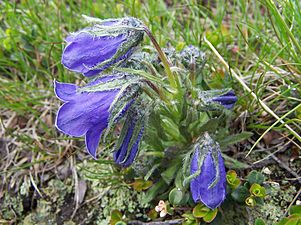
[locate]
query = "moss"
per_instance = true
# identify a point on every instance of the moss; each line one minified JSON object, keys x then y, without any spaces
{"x":116,"y":196}
{"x":11,"y":207}
{"x":275,"y":203}
{"x":49,"y":207}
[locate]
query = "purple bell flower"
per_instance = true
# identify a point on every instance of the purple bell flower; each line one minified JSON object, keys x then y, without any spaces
{"x":84,"y":113}
{"x":125,"y":154}
{"x":94,"y":49}
{"x":227,"y":100}
{"x":209,"y":187}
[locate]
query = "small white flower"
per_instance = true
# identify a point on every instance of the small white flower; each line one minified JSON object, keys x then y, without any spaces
{"x":161,"y":207}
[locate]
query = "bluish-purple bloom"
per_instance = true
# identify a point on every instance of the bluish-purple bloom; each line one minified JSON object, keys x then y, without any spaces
{"x":227,"y":100}
{"x":125,"y":154}
{"x":209,"y":187}
{"x":84,"y":113}
{"x":92,"y":50}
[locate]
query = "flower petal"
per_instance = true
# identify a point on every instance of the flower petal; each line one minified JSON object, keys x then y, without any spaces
{"x":121,"y":154}
{"x":133,"y":153}
{"x":85,"y":51}
{"x":92,"y":138}
{"x":64,"y":91}
{"x":83,"y":111}
{"x":199,"y":186}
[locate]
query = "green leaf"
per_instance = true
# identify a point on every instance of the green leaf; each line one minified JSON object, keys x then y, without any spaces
{"x":152,"y":214}
{"x":232,"y":179}
{"x":116,"y":216}
{"x":259,"y":222}
{"x":190,"y":222}
{"x":250,"y":201}
{"x":141,"y":184}
{"x":259,"y":201}
{"x":153,"y":192}
{"x":209,"y":126}
{"x":255,"y":177}
{"x":210,"y":216}
{"x":200,"y":210}
{"x":169,"y":174}
{"x":233,"y":163}
{"x":188,"y":216}
{"x":233,"y":139}
{"x":176,"y":196}
{"x":257,"y":190}
{"x":113,"y":84}
{"x":295,"y":210}
{"x":292,"y":220}
{"x":283,"y":221}
{"x":240,"y":194}
{"x":155,"y":122}
{"x":120,"y":223}
{"x":179,"y":179}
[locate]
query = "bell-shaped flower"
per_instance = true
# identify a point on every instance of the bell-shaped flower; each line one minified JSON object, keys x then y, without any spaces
{"x":93,"y":49}
{"x":227,"y":100}
{"x":127,"y":147}
{"x":84,"y":113}
{"x":207,"y":166}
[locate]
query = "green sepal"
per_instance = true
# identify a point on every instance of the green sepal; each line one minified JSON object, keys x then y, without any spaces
{"x":205,"y":103}
{"x":126,"y":95}
{"x":119,"y":80}
{"x":137,"y":115}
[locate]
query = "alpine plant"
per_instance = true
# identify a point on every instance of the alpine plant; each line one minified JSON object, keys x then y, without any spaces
{"x":127,"y":97}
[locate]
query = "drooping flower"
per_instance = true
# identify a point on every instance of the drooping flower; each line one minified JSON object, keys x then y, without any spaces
{"x":84,"y":113}
{"x":209,"y":186}
{"x":93,"y":49}
{"x":127,"y":149}
{"x":227,"y":100}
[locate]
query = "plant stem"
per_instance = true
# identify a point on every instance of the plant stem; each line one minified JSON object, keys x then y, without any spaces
{"x":157,"y":90}
{"x":163,"y":58}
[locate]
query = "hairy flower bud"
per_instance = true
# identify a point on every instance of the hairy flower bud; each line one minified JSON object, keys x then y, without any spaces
{"x":192,"y":57}
{"x":209,"y":184}
{"x":224,"y":97}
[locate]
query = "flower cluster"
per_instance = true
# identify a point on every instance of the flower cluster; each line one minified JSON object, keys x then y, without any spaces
{"x":125,"y":88}
{"x":87,"y":110}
